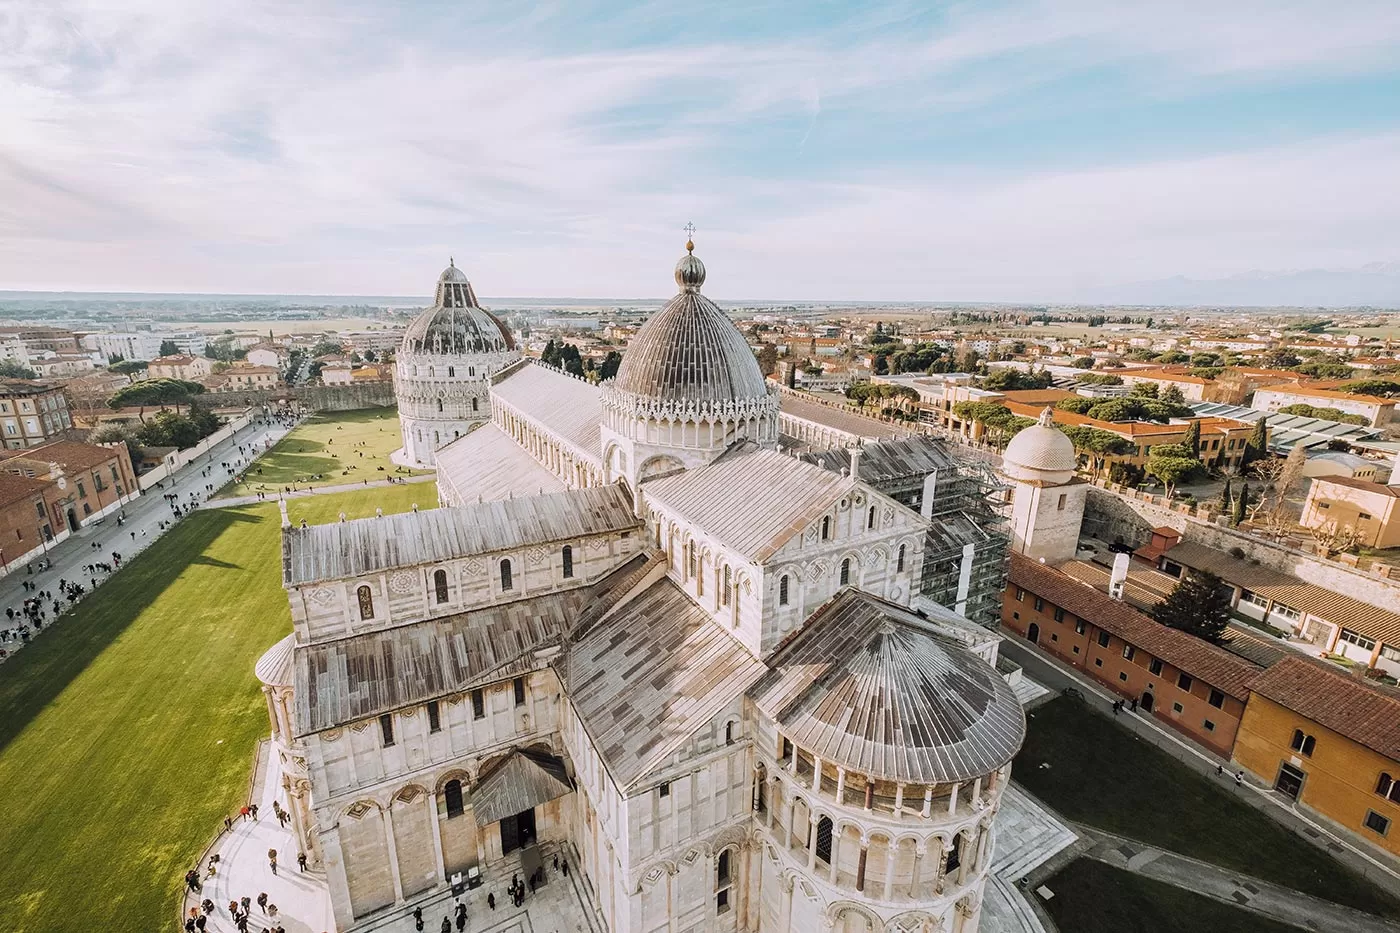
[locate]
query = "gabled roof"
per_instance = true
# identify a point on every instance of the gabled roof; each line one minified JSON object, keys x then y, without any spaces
{"x":751,"y":500}
{"x":889,"y":461}
{"x":1343,"y":704}
{"x":525,"y":778}
{"x":15,"y":488}
{"x":71,"y":455}
{"x":1200,"y":659}
{"x":645,"y":679}
{"x":838,"y":419}
{"x":571,"y":408}
{"x":872,"y":687}
{"x":489,"y":464}
{"x":368,"y":545}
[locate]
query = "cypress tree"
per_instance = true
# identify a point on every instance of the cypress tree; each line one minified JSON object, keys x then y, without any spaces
{"x":1241,"y":505}
{"x":1193,"y":439}
{"x":1225,"y":498}
{"x":1256,"y":447}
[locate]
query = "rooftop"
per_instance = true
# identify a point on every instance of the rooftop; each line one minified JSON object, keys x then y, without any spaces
{"x":1362,"y":713}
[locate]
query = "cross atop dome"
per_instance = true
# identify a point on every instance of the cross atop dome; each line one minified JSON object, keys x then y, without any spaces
{"x":689,"y":229}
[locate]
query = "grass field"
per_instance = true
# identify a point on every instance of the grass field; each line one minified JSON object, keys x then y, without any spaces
{"x":340,"y":447}
{"x":127,"y":732}
{"x":1104,"y":776}
{"x":1091,"y":897}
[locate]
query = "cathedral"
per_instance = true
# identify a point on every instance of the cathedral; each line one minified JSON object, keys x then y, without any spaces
{"x":708,"y":643}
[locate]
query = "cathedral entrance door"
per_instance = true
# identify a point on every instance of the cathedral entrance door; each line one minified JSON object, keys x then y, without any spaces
{"x":517,"y":831}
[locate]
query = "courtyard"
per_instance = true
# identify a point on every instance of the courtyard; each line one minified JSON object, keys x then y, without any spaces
{"x":127,"y":732}
{"x":330,"y":449}
{"x":1097,"y":774}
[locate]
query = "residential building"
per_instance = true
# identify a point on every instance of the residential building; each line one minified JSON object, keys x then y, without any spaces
{"x":1377,"y":411}
{"x":1337,"y":463}
{"x":1329,"y":742}
{"x":1366,"y":507}
{"x":92,"y":479}
{"x":32,"y":413}
{"x":268,"y":354}
{"x":43,"y":339}
{"x":25,"y":527}
{"x":251,"y":377}
{"x":144,"y":345}
{"x":180,"y":366}
{"x":1192,"y":388}
{"x":376,"y":341}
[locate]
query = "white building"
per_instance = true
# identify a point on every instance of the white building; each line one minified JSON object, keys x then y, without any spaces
{"x":442,"y":369}
{"x":1047,"y":498}
{"x":144,"y":345}
{"x":639,"y":636}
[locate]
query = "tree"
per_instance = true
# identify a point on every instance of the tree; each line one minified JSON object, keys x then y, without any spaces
{"x":1383,"y":388}
{"x":1170,"y":464}
{"x":1257,"y":446}
{"x":160,"y":392}
{"x":1008,"y":380}
{"x":1096,"y":444}
{"x":1078,"y":404}
{"x":1333,"y":538}
{"x":114,"y":432}
{"x":327,"y":348}
{"x":1082,"y":362}
{"x":129,"y":367}
{"x":1099,"y":379}
{"x":1225,"y":501}
{"x":1172,"y":396}
{"x":767,"y":358}
{"x":1198,"y":606}
{"x":612,"y":360}
{"x":1144,"y":390}
{"x":1241,"y":506}
{"x":9,"y":369}
{"x":999,"y":424}
{"x":1193,"y":439}
{"x":369,"y":356}
{"x":169,"y":348}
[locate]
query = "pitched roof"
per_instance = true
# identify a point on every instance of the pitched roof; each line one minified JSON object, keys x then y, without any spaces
{"x":71,"y":455}
{"x":520,"y":780}
{"x":870,"y":686}
{"x":488,"y":464}
{"x":1365,"y":485}
{"x":888,"y":461}
{"x":1200,"y":659}
{"x":15,"y":488}
{"x":645,"y":679}
{"x":750,"y":499}
{"x":1337,"y":608}
{"x":368,"y":545}
{"x":568,"y":407}
{"x":1343,"y":704}
{"x":838,"y":419}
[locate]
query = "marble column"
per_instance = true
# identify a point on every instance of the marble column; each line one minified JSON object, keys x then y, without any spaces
{"x":920,"y":850}
{"x":860,"y":865}
{"x":441,"y":869}
{"x":953,"y":800}
{"x":787,"y":823}
{"x":393,"y":853}
{"x":835,"y":853}
{"x":891,"y":856}
{"x":811,"y":843}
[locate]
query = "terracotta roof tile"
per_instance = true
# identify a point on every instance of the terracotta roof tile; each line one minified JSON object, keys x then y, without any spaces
{"x":1347,"y":706}
{"x":1200,"y":659}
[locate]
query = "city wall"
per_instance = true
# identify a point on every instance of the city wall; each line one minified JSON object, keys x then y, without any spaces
{"x":314,"y":398}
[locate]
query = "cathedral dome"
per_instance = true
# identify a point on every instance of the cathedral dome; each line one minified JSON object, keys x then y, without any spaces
{"x":1041,"y":452}
{"x":689,"y":352}
{"x":456,"y":324}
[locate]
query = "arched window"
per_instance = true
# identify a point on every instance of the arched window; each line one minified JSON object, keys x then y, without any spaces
{"x":366,"y":600}
{"x":723,"y":882}
{"x":899,"y":565}
{"x":439,"y":401}
{"x":824,"y":832}
{"x":846,"y":572}
{"x":826,"y":527}
{"x":783,"y":590}
{"x":451,"y":372}
{"x":440,"y":585}
{"x":689,"y":559}
{"x":870,"y":520}
{"x":724,"y":592}
{"x":1302,"y":742}
{"x":729,"y":733}
{"x":452,"y":795}
{"x":954,"y":855}
{"x":432,"y":371}
{"x":722,"y":869}
{"x":505,"y":575}
{"x":474,"y":404}
{"x":568,"y":561}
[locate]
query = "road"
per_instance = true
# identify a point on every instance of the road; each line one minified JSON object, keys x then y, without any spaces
{"x":140,"y":529}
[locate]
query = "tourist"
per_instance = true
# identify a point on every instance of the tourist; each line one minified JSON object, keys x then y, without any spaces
{"x":272,"y":859}
{"x":253,"y":808}
{"x":446,"y":925}
{"x":491,"y":900}
{"x":262,"y":901}
{"x":1239,"y":779}
{"x":418,"y":918}
{"x":301,"y":860}
{"x":461,"y":917}
{"x":247,"y":903}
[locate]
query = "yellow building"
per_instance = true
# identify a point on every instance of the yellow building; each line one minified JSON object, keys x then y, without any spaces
{"x":1330,"y":742}
{"x":1367,"y":507}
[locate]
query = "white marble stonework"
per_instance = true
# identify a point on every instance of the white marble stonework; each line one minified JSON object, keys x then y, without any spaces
{"x":641,"y":636}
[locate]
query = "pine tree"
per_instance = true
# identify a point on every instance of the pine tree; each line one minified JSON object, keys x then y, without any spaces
{"x":1241,"y":506}
{"x":1193,"y":439}
{"x":1225,"y":498}
{"x":1197,"y":606}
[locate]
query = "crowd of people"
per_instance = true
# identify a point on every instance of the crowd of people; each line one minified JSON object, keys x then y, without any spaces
{"x":239,"y":911}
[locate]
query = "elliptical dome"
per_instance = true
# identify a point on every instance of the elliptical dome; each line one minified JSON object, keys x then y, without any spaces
{"x":689,"y":352}
{"x":456,"y":324}
{"x":1040,"y":453}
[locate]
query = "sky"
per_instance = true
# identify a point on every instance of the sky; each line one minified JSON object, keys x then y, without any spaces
{"x":987,"y":151}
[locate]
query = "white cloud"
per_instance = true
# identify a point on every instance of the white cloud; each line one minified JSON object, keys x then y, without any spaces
{"x":325,"y":147}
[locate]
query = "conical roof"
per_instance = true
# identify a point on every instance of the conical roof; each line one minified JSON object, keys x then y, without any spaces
{"x":456,"y":324}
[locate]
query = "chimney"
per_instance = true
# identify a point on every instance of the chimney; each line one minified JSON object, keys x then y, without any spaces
{"x":855,"y":462}
{"x":1119,"y":578}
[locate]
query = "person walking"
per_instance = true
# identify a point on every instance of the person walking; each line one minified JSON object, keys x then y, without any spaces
{"x":461,"y":917}
{"x":418,"y":918}
{"x":446,"y":925}
{"x":272,"y":859}
{"x":1239,"y":779}
{"x":262,"y":901}
{"x":301,"y":860}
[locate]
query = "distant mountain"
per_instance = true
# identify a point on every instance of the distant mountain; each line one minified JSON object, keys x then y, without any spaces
{"x":1374,"y":285}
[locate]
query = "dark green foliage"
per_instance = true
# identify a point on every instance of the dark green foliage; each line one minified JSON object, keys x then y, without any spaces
{"x":1241,"y":510}
{"x":1010,"y":380}
{"x":9,"y":369}
{"x":1198,"y":606}
{"x":1193,"y":439}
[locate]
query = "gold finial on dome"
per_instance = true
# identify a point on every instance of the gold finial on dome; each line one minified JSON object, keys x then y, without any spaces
{"x":689,"y":229}
{"x":1047,"y":418}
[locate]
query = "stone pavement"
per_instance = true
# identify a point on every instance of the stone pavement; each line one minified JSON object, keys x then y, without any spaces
{"x":302,"y":899}
{"x":140,"y":530}
{"x":316,"y":491}
{"x":1271,"y":900}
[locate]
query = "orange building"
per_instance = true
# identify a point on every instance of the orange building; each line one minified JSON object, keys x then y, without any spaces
{"x":1331,"y":743}
{"x":1189,"y":684}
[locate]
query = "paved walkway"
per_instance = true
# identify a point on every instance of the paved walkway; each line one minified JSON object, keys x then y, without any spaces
{"x":1271,"y":900}
{"x":139,"y":531}
{"x":318,"y":490}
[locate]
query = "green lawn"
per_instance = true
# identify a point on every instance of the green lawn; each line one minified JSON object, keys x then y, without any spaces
{"x":340,"y":447}
{"x":1091,"y":897}
{"x":127,"y":733}
{"x":1102,"y":775}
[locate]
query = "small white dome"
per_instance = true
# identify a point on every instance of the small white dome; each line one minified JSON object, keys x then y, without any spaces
{"x":1040,"y":453}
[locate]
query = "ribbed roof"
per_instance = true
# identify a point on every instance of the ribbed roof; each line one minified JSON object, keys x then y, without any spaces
{"x":456,"y":324}
{"x":274,"y":668}
{"x":369,"y":545}
{"x":872,"y":687}
{"x":690,"y":352}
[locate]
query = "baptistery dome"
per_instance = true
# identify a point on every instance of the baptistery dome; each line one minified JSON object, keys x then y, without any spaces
{"x":443,"y":366}
{"x":689,"y":352}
